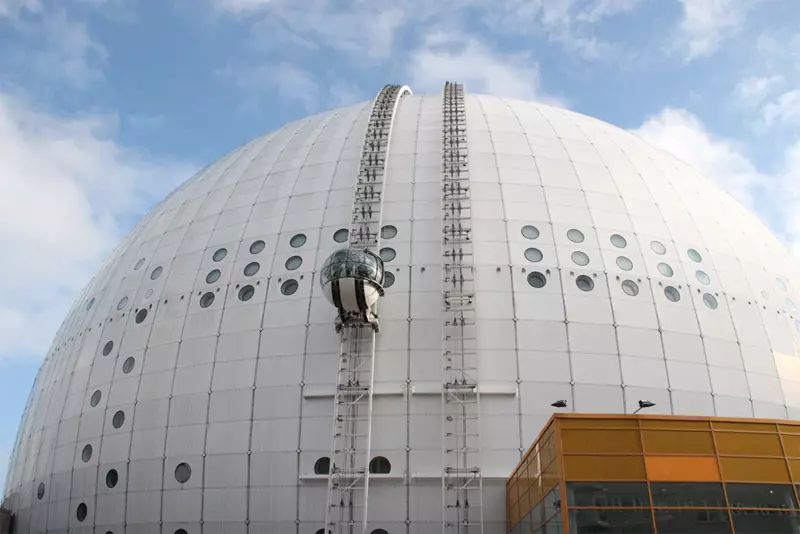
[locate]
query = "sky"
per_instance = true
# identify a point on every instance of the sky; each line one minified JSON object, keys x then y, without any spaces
{"x":107,"y":105}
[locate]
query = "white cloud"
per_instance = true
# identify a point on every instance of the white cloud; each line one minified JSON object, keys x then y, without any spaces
{"x":753,"y":90}
{"x":240,"y":6}
{"x":10,"y":8}
{"x":705,"y":24}
{"x":783,"y":109}
{"x":289,"y":81}
{"x":68,"y":191}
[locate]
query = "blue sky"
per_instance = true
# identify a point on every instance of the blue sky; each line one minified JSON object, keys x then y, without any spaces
{"x":106,"y":105}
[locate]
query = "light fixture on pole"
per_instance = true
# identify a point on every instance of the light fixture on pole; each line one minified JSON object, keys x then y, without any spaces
{"x":644,"y":404}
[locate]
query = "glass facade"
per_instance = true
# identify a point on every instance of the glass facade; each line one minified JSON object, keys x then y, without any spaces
{"x":658,"y":474}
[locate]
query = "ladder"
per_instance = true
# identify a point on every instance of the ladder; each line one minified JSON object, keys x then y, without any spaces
{"x":348,"y":476}
{"x":462,"y":481}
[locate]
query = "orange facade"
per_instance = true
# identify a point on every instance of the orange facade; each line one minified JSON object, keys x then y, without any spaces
{"x":657,"y":474}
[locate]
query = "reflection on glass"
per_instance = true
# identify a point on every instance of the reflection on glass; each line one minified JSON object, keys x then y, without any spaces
{"x":761,"y":496}
{"x":692,"y":521}
{"x":610,"y":521}
{"x":608,"y":494}
{"x":351,"y":263}
{"x":688,"y":494}
{"x":765,"y":521}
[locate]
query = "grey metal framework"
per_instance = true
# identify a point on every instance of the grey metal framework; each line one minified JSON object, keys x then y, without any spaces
{"x":347,"y":505}
{"x":462,"y":481}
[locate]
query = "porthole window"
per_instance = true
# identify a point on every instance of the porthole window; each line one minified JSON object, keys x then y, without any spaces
{"x":710,"y":301}
{"x":246,"y":293}
{"x":388,"y":280}
{"x":388,"y":232}
{"x":149,"y":293}
{"x":122,"y":302}
{"x":297,"y":240}
{"x":96,"y":396}
{"x":536,"y":279}
{"x":139,"y":264}
{"x":797,"y":324}
{"x":183,"y":472}
{"x":119,"y":419}
{"x":86,"y":453}
{"x":694,"y":255}
{"x":293,"y":263}
{"x":213,"y":276}
{"x":251,"y":268}
{"x":618,"y":241}
{"x":341,"y":235}
{"x":533,"y":254}
{"x":141,"y":315}
{"x":580,"y":258}
{"x":220,"y":254}
{"x":781,"y":285}
{"x":658,"y":247}
{"x":576,"y":236}
{"x":107,"y":348}
{"x":156,"y":272}
{"x":112,"y":477}
{"x":672,"y":294}
{"x":322,"y":466}
{"x":630,"y":288}
{"x":40,"y":491}
{"x":128,"y":365}
{"x":530,"y":232}
{"x":181,"y":531}
{"x":702,"y":277}
{"x":257,"y":247}
{"x":388,"y":254}
{"x":584,"y":283}
{"x":289,"y":287}
{"x":81,"y":512}
{"x":379,"y":531}
{"x":90,"y":304}
{"x":380,"y":466}
{"x":665,"y":269}
{"x":207,"y":299}
{"x":624,"y":263}
{"x":790,"y":306}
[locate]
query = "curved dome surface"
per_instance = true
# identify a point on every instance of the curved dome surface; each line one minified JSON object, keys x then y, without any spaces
{"x":190,"y":385}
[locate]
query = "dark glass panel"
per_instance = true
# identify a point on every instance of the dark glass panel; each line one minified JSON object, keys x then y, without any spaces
{"x":692,"y":521}
{"x":688,"y":494}
{"x":610,"y":521}
{"x":765,"y":522}
{"x":608,"y":494}
{"x":761,"y":496}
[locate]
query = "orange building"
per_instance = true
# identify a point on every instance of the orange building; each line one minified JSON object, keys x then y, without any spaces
{"x":637,"y":474}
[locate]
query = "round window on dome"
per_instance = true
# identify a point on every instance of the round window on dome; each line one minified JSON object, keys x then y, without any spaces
{"x":220,"y":254}
{"x":388,"y":280}
{"x":251,"y":268}
{"x":658,"y":247}
{"x":40,"y":491}
{"x":630,"y":288}
{"x":86,"y":453}
{"x":128,"y":364}
{"x":213,"y":276}
{"x":122,"y":303}
{"x":534,"y":255}
{"x":530,"y":232}
{"x":584,"y":283}
{"x":388,"y":254}
{"x":576,"y":236}
{"x":90,"y":304}
{"x":207,"y":299}
{"x":380,"y":466}
{"x":672,"y":294}
{"x":112,"y":477}
{"x":96,"y":396}
{"x":183,"y":472}
{"x":388,"y":232}
{"x":82,"y":512}
{"x":781,"y":284}
{"x":289,"y":287}
{"x":141,"y":315}
{"x":322,"y":466}
{"x":537,"y":279}
{"x":665,"y":269}
{"x":702,"y":277}
{"x":580,"y":258}
{"x":156,"y":273}
{"x":694,"y":255}
{"x":119,"y":419}
{"x":341,"y":235}
{"x":297,"y":240}
{"x":139,"y":264}
{"x":246,"y":293}
{"x":107,"y":348}
{"x":257,"y":247}
{"x":790,"y":305}
{"x":797,"y":324}
{"x":293,"y":263}
{"x":624,"y":263}
{"x":710,"y":301}
{"x":618,"y":241}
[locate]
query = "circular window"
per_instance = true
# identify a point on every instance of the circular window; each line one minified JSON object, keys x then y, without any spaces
{"x":90,"y":304}
{"x":119,"y":419}
{"x":207,"y":299}
{"x":40,"y":491}
{"x":112,"y":477}
{"x":658,"y":247}
{"x":618,"y":241}
{"x":710,"y":301}
{"x":220,"y":254}
{"x":694,"y":255}
{"x":96,"y":396}
{"x":141,"y":315}
{"x":380,"y":465}
{"x":388,"y":232}
{"x":181,"y":531}
{"x":780,"y":283}
{"x":388,"y":280}
{"x":122,"y":302}
{"x":672,"y":294}
{"x":251,"y":268}
{"x":630,"y":288}
{"x":183,"y":472}
{"x":246,"y":293}
{"x":797,"y":324}
{"x":530,"y":232}
{"x":139,"y":264}
{"x":533,"y":254}
{"x":107,"y":348}
{"x":297,"y":240}
{"x":289,"y":287}
{"x":128,"y":364}
{"x":702,"y":277}
{"x":82,"y":512}
{"x":584,"y":283}
{"x":379,"y":531}
{"x":665,"y":269}
{"x":576,"y":236}
{"x":624,"y":263}
{"x":257,"y":247}
{"x":86,"y":453}
{"x":149,"y":293}
{"x":156,"y":272}
{"x":388,"y":254}
{"x":322,"y":466}
{"x":790,"y":306}
{"x":580,"y":258}
{"x":341,"y":235}
{"x":293,"y":263}
{"x":536,"y":279}
{"x":213,"y":276}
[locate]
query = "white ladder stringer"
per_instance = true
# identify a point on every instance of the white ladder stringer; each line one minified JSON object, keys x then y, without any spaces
{"x":462,"y":480}
{"x":347,"y":500}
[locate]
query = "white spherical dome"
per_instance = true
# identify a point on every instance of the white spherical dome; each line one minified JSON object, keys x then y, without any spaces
{"x":190,"y":388}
